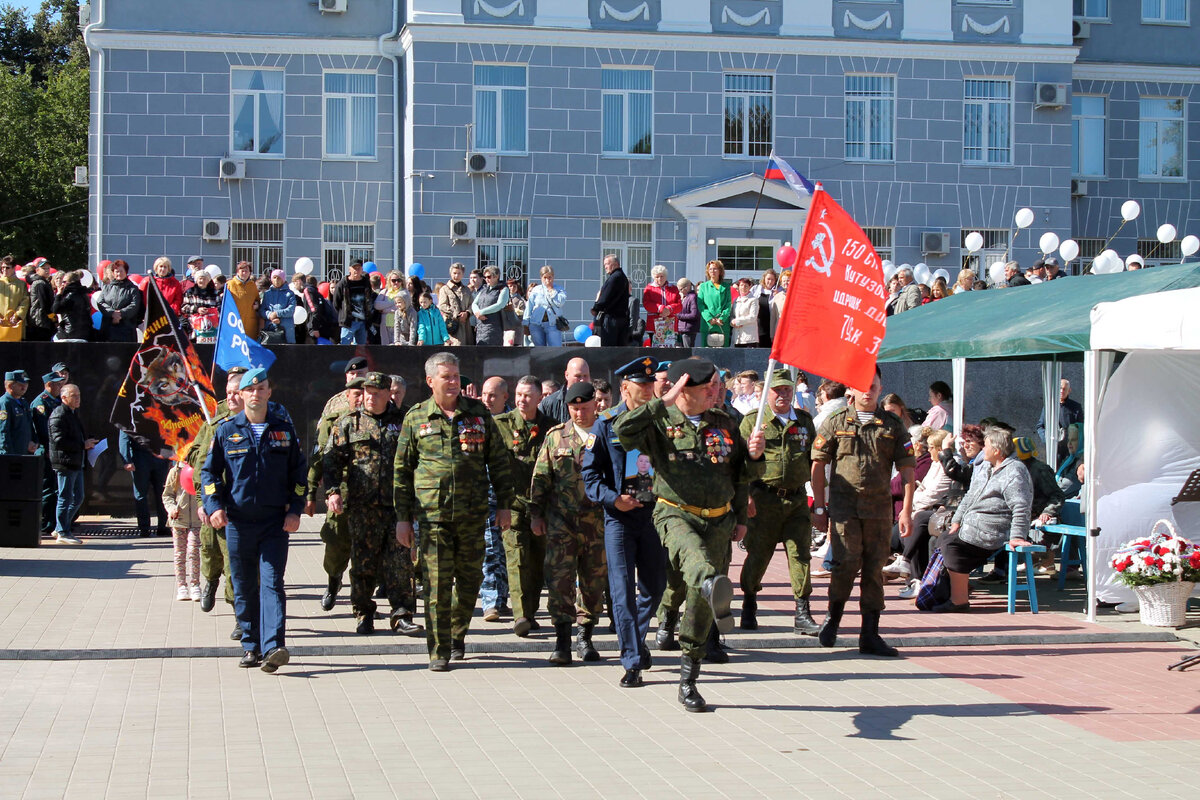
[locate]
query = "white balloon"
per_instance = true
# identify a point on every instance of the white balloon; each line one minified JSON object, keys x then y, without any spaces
{"x":1024,"y":218}
{"x":1108,"y":263}
{"x":304,"y":265}
{"x":1134,"y":258}
{"x":86,"y":279}
{"x":1130,"y":210}
{"x":921,"y":274}
{"x":592,"y":341}
{"x":95,"y":301}
{"x":974,"y":241}
{"x":213,"y":271}
{"x":996,"y":272}
{"x":1048,"y":242}
{"x":1069,"y":250}
{"x":1189,"y":245}
{"x":889,"y":272}
{"x":886,"y":263}
{"x":300,"y":315}
{"x":1166,"y":233}
{"x":943,"y":274}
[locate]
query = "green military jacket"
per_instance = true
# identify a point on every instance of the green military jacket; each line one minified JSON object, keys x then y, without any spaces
{"x":705,"y":466}
{"x":862,"y":457}
{"x":203,"y":440}
{"x":336,"y":406}
{"x":443,"y":464}
{"x":556,"y":492}
{"x":316,"y":464}
{"x":523,"y":439}
{"x":361,"y":454}
{"x":785,"y":463}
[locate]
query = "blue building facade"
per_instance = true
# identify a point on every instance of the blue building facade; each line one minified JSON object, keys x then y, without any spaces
{"x":531,"y":132}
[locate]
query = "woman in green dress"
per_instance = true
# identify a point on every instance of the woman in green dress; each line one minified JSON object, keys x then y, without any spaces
{"x":716,"y":308}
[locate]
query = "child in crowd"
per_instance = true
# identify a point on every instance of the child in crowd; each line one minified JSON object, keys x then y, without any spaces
{"x":431,"y":328}
{"x":183,"y":511}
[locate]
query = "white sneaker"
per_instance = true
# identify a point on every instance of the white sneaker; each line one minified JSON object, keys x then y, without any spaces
{"x":910,"y":591}
{"x":182,"y":593}
{"x":195,"y":593}
{"x":899,"y":567}
{"x":1131,"y":607}
{"x":66,"y":538}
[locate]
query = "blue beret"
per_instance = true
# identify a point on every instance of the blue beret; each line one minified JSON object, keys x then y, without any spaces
{"x":640,"y":370}
{"x":52,"y":377}
{"x":253,"y":378}
{"x":17,"y":375}
{"x":663,"y":366}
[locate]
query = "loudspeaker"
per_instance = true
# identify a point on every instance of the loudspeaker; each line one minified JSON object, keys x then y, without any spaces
{"x":21,"y":478}
{"x":20,"y":524}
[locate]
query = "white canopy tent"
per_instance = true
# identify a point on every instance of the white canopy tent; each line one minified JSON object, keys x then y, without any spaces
{"x":1141,"y":426}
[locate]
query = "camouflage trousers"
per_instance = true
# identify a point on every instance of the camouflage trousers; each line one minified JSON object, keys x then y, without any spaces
{"x":859,"y":544}
{"x":452,"y":559}
{"x":575,"y":552}
{"x":672,"y":597}
{"x":337,"y":545}
{"x":778,"y":520}
{"x":697,"y":549}
{"x":377,"y":558}
{"x":493,"y":591}
{"x":525,"y":557}
{"x":214,"y":558}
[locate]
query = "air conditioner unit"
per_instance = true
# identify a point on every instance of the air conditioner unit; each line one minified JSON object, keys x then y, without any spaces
{"x":935,"y":243}
{"x":216,"y":230}
{"x":332,"y":6}
{"x":462,"y":229}
{"x":482,"y":163}
{"x":1051,"y":95}
{"x":1081,"y":30}
{"x":81,"y":177}
{"x":232,"y":169}
{"x":1079,"y":188}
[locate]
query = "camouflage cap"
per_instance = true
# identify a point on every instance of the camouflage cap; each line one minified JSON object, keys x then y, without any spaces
{"x":375,"y":380}
{"x":780,"y":378}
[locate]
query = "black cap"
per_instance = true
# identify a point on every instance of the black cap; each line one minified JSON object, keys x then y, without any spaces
{"x":237,"y":370}
{"x":355,"y":364}
{"x":356,"y":383}
{"x":376,"y":380}
{"x":581,"y":392}
{"x":1050,"y":261}
{"x":699,"y":371}
{"x":640,"y":370}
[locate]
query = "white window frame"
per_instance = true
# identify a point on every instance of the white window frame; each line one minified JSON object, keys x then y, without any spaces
{"x":732,"y":275}
{"x":625,"y":95}
{"x":1089,"y":248}
{"x":1092,"y":18}
{"x":501,"y":242}
{"x":498,"y":91}
{"x":1182,"y":121}
{"x":348,"y":251}
{"x":866,"y":101}
{"x":726,"y":94}
{"x":1157,"y":254}
{"x":1077,"y":135}
{"x":987,"y":104}
{"x":255,"y":93}
{"x":257,"y":243}
{"x":621,"y":246}
{"x":348,"y":97}
{"x":1161,"y":18}
{"x":995,"y":250}
{"x":877,"y":236}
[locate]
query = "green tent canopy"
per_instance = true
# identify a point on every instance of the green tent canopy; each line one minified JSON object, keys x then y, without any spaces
{"x":1024,"y":322}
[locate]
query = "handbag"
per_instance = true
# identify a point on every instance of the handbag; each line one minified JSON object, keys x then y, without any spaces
{"x":277,"y":336}
{"x":935,"y":583}
{"x":560,"y":322}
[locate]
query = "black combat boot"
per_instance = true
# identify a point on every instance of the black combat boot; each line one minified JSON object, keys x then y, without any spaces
{"x":366,"y":624}
{"x":331,"y":593}
{"x":869,"y":642}
{"x":665,"y":638}
{"x":583,"y":644}
{"x":715,"y":652}
{"x":827,"y":634}
{"x":805,"y":624}
{"x":750,"y":611}
{"x":718,"y":591}
{"x":458,"y":649}
{"x":689,"y":696}
{"x":562,"y":644}
{"x":237,"y":632}
{"x":402,"y":623}
{"x":208,"y":595}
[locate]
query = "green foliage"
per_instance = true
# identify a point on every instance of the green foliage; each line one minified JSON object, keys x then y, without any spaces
{"x":44,"y":102}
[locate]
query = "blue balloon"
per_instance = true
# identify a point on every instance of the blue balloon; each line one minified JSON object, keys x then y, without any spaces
{"x":323,"y":340}
{"x":97,"y":319}
{"x":582,"y":332}
{"x":417,"y":270}
{"x":370,"y":267}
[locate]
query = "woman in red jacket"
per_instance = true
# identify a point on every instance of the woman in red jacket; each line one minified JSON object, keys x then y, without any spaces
{"x":168,"y":284}
{"x":662,"y":302}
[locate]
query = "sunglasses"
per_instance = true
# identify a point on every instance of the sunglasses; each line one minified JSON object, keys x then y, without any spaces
{"x":393,"y":280}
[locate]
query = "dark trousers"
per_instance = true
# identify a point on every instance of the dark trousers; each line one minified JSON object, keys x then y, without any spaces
{"x":49,"y":496}
{"x":917,"y":546}
{"x":258,"y":551}
{"x":637,"y":576}
{"x":613,"y":331}
{"x":149,"y":477}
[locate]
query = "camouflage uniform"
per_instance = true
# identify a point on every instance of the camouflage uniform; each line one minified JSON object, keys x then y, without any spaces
{"x":359,"y":459}
{"x":214,"y":552}
{"x":333,"y":530}
{"x":575,"y":529}
{"x":701,"y":467}
{"x":442,"y":469}
{"x":524,"y":553}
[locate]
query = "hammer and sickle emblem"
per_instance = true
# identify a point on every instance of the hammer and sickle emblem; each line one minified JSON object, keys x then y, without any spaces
{"x":820,"y":241}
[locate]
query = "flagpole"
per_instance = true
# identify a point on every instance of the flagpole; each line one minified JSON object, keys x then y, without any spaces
{"x":182,"y":351}
{"x":762,"y":405}
{"x":758,"y":199}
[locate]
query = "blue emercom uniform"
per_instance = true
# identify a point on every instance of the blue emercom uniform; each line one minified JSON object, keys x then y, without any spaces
{"x":40,"y":410}
{"x":16,"y":428}
{"x":257,"y":482}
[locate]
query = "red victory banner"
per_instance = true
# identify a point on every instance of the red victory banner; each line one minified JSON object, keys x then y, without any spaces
{"x":833,"y":318}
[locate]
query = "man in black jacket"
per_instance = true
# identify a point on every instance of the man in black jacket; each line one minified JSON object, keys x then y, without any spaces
{"x":611,"y":308}
{"x":354,"y":301}
{"x":68,"y":447}
{"x":40,"y":327}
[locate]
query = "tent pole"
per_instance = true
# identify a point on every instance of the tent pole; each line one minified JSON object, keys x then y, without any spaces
{"x":958,"y":369}
{"x":1091,"y":414}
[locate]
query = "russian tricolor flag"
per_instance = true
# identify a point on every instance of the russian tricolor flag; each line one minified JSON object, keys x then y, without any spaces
{"x":780,"y":170}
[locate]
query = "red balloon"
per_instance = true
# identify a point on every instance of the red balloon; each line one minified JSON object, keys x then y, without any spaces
{"x":323,"y":288}
{"x":138,"y":280}
{"x":186,"y":478}
{"x":785,"y":257}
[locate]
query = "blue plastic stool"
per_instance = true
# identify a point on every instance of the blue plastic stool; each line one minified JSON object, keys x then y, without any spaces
{"x":1027,"y":585}
{"x":1073,"y":550}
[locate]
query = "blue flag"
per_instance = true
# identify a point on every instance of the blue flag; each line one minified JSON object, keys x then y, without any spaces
{"x":234,"y":347}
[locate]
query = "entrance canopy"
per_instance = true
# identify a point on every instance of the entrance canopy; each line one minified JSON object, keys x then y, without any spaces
{"x":1024,"y":322}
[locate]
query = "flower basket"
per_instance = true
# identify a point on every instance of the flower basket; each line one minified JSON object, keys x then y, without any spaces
{"x":1164,"y":605}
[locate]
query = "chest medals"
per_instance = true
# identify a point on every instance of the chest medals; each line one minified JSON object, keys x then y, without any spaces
{"x":471,"y":434}
{"x":718,"y":444}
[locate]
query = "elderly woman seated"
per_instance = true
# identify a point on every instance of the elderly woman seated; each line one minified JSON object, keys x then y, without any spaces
{"x":934,"y":490}
{"x":994,"y":512}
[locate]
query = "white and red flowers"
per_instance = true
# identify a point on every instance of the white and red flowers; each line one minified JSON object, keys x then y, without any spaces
{"x":1158,"y":558}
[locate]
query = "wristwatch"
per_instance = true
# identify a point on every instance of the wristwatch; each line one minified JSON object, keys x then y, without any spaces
{"x":819,"y":510}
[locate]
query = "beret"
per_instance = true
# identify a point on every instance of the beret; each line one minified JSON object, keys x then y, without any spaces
{"x":356,"y":363}
{"x":253,"y":378}
{"x":581,"y":392}
{"x":699,"y":371}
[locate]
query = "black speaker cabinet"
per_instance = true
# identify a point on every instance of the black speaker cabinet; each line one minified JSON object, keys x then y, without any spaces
{"x":21,"y":478}
{"x":20,"y":523}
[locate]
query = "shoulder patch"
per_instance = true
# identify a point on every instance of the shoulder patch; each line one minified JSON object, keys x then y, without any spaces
{"x":591,"y":440}
{"x":819,"y":442}
{"x":3,"y":415}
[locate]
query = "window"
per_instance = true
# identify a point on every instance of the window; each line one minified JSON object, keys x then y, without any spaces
{"x":260,"y":243}
{"x":881,"y":240}
{"x":504,"y":243}
{"x":1168,"y":11}
{"x":1088,"y":250}
{"x":350,"y":115}
{"x":343,"y":244}
{"x":746,"y":258}
{"x":1091,"y":9}
{"x":870,"y":117}
{"x":500,"y":108}
{"x":749,"y":108}
{"x":1157,"y":254}
{"x":256,"y":110}
{"x":987,"y":121}
{"x":628,"y":98}
{"x":994,"y":251}
{"x":633,"y":243}
{"x":1161,"y":152}
{"x":1087,"y":136}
